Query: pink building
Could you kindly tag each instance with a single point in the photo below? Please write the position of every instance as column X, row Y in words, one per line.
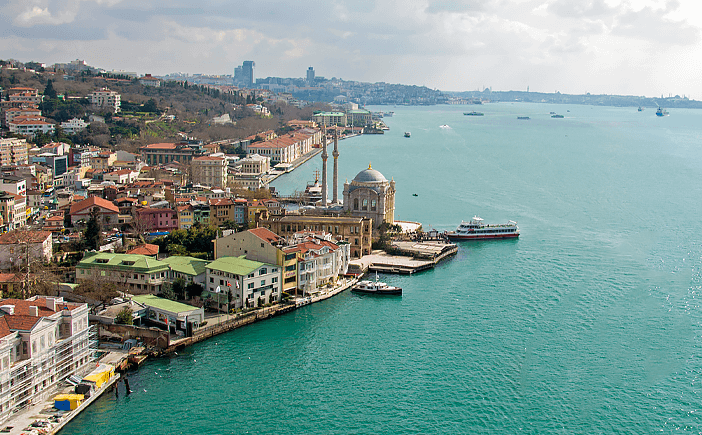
column 157, row 219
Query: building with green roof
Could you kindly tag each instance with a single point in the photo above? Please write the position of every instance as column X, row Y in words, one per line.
column 136, row 273
column 251, row 283
column 172, row 315
column 190, row 269
column 330, row 118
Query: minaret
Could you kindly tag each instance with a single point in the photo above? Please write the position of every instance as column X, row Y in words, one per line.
column 324, row 168
column 335, row 154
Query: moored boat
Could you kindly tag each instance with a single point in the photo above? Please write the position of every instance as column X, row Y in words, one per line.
column 376, row 287
column 476, row 229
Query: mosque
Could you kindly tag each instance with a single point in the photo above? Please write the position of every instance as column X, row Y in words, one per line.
column 369, row 195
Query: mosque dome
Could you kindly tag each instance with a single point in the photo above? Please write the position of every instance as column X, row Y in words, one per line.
column 370, row 175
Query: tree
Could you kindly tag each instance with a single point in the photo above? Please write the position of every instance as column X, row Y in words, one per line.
column 125, row 317
column 92, row 231
column 179, row 287
column 167, row 291
column 194, row 289
column 49, row 91
column 150, row 106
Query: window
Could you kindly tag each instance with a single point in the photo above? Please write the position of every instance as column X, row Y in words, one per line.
column 263, row 271
column 365, row 205
column 373, row 205
column 274, row 280
column 212, row 280
column 355, row 203
column 263, row 282
column 251, row 285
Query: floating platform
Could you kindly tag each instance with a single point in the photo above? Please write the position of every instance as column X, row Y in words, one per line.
column 418, row 256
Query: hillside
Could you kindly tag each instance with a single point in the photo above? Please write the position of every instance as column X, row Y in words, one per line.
column 150, row 114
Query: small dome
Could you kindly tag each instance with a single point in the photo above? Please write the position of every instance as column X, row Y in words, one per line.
column 370, row 175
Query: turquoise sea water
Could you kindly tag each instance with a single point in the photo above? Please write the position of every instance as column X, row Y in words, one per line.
column 589, row 323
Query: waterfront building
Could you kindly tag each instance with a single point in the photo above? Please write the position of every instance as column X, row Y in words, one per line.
column 106, row 99
column 137, row 274
column 190, row 269
column 330, row 118
column 209, row 171
column 250, row 283
column 356, row 231
column 19, row 246
column 320, row 262
column 43, row 341
column 370, row 195
column 260, row 244
column 358, row 117
column 171, row 315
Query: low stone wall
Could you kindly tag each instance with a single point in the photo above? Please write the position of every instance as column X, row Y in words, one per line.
column 151, row 337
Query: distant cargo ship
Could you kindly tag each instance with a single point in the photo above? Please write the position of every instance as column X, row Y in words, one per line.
column 523, row 117
column 557, row 116
column 473, row 113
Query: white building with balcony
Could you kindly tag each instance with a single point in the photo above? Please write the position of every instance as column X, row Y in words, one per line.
column 43, row 340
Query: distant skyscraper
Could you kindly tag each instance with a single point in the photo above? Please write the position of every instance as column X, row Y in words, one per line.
column 310, row 76
column 248, row 72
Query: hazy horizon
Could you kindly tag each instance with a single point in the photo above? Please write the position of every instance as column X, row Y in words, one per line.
column 638, row 48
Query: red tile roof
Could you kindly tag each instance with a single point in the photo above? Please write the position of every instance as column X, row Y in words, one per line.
column 91, row 202
column 145, row 249
column 17, row 236
column 265, row 234
column 161, row 146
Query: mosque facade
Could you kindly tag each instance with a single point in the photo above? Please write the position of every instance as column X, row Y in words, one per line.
column 370, row 195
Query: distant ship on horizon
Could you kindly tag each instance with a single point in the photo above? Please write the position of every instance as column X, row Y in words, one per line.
column 661, row 112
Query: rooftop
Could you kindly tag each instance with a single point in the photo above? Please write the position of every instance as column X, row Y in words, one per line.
column 164, row 304
column 235, row 265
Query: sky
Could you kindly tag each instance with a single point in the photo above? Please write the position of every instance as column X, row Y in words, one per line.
column 642, row 47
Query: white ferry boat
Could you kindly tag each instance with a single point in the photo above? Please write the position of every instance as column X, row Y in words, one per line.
column 376, row 287
column 476, row 229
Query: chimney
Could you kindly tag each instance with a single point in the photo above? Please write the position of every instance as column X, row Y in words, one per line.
column 9, row 309
column 51, row 304
column 34, row 311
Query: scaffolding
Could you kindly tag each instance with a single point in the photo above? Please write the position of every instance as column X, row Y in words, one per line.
column 38, row 376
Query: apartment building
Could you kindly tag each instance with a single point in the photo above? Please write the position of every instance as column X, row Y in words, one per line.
column 209, row 171
column 138, row 274
column 43, row 340
column 107, row 99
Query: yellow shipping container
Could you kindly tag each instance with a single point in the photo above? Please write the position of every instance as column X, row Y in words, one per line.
column 68, row 402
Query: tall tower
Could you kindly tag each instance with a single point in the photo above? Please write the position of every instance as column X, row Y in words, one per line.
column 335, row 154
column 324, row 168
column 310, row 76
column 248, row 72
